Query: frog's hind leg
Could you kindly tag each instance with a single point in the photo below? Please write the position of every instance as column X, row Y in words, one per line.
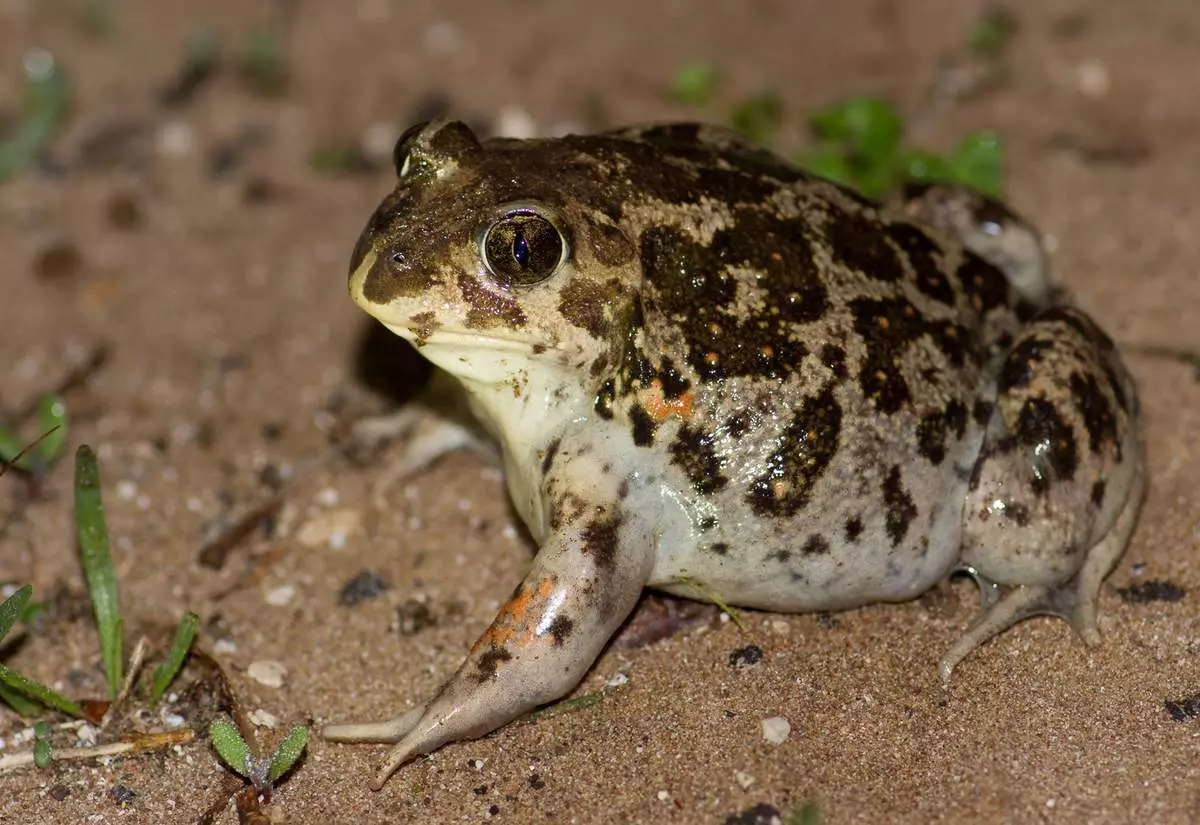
column 1073, row 600
column 584, row 582
column 1055, row 493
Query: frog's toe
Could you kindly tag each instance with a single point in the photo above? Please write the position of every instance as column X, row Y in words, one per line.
column 389, row 730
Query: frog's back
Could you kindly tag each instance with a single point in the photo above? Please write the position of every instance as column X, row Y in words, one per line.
column 813, row 368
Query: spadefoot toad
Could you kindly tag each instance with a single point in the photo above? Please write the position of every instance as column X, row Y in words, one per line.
column 708, row 369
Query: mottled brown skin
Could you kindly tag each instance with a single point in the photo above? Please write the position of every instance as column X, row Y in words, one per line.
column 714, row 374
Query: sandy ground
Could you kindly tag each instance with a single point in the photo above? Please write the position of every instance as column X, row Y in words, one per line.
column 198, row 245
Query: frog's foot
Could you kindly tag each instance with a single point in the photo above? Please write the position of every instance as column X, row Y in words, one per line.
column 585, row 580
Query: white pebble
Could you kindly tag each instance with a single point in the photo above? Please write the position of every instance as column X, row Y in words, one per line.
column 743, row 779
column 263, row 719
column 663, row 796
column 268, row 672
column 280, row 596
column 126, row 490
column 776, row 730
column 225, row 646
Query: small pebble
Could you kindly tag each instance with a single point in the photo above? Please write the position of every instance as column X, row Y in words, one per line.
column 776, row 730
column 362, row 586
column 743, row 779
column 745, row 656
column 663, row 796
column 263, row 719
column 281, row 596
column 329, row 529
column 267, row 672
column 59, row 792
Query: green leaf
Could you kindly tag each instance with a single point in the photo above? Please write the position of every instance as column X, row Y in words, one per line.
column 11, row 609
column 758, row 117
column 230, row 746
column 51, row 419
column 11, row 447
column 19, row 702
column 288, row 752
column 41, row 747
column 98, row 570
column 807, row 813
column 828, row 161
column 39, row 691
column 165, row 672
column 921, row 166
column 867, row 127
column 978, row 162
column 696, row 83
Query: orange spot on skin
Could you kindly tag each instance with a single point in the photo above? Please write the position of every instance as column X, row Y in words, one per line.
column 660, row 408
column 519, row 617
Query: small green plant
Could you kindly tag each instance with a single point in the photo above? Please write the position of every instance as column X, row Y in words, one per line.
column 859, row 144
column 696, row 83
column 26, row 696
column 47, row 98
column 51, row 420
column 41, row 748
column 758, row 117
column 261, row 771
column 19, row 690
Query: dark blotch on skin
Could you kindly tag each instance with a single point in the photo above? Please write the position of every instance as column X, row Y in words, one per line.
column 815, row 546
column 488, row 308
column 1098, row 415
column 707, row 523
column 694, row 453
column 673, row 383
column 985, row 285
column 490, row 660
column 781, row 556
column 981, row 412
column 854, row 528
column 1018, row 513
column 424, row 324
column 582, row 303
column 834, row 357
column 1098, row 493
column 604, row 400
column 551, row 452
column 922, row 255
column 600, row 540
column 1018, row 367
column 1039, row 426
column 643, row 425
column 560, row 629
column 935, row 426
column 720, row 548
column 738, row 424
column 899, row 505
column 858, row 244
column 692, row 287
column 808, row 446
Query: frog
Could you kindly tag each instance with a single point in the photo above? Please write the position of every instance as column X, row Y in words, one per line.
column 712, row 373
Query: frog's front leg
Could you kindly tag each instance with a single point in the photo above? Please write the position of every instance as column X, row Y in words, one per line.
column 1056, row 490
column 584, row 581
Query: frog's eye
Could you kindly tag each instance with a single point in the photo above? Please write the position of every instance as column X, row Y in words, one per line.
column 402, row 155
column 522, row 248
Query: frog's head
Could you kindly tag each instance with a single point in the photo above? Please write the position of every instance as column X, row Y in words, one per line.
column 489, row 254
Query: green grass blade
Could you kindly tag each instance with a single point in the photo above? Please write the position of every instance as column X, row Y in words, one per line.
column 288, row 752
column 47, row 96
column 41, row 748
column 165, row 672
column 11, row 609
column 52, row 420
column 97, row 564
column 19, row 702
column 230, row 746
column 39, row 691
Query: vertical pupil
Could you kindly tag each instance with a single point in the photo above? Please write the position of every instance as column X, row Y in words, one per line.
column 520, row 248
